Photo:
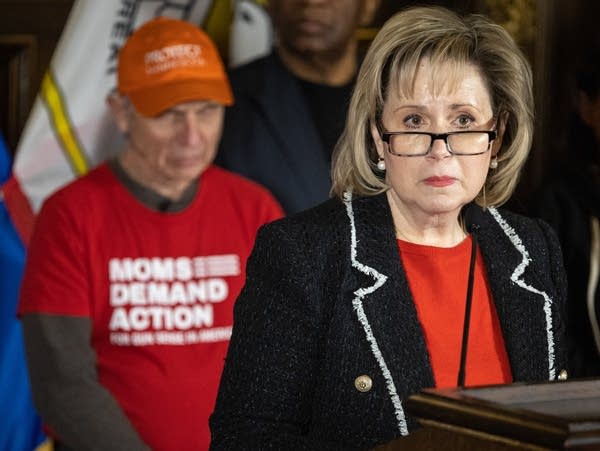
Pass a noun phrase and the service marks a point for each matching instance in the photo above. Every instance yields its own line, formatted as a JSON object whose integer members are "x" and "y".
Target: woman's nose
{"x": 439, "y": 148}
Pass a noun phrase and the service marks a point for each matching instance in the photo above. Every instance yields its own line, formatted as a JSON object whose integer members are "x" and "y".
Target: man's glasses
{"x": 419, "y": 144}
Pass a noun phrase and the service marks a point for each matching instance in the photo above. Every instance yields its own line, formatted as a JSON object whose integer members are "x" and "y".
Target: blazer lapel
{"x": 386, "y": 312}
{"x": 519, "y": 298}
{"x": 383, "y": 303}
{"x": 519, "y": 303}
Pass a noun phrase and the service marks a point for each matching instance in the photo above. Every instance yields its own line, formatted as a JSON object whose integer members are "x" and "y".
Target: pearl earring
{"x": 494, "y": 163}
{"x": 381, "y": 164}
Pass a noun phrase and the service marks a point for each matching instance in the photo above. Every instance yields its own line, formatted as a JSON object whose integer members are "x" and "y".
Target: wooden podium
{"x": 546, "y": 416}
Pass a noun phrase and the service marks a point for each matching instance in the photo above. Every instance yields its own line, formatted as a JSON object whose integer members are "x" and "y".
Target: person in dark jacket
{"x": 354, "y": 305}
{"x": 570, "y": 202}
{"x": 291, "y": 105}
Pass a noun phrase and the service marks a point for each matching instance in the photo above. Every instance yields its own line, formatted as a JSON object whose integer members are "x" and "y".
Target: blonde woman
{"x": 411, "y": 276}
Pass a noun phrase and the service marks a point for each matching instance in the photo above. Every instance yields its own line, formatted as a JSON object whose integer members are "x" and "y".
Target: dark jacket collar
{"x": 520, "y": 310}
{"x": 280, "y": 99}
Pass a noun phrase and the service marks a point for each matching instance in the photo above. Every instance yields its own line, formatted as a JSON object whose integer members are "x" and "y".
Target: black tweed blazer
{"x": 326, "y": 300}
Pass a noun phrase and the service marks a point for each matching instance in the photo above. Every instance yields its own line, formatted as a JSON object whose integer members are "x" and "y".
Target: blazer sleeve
{"x": 264, "y": 400}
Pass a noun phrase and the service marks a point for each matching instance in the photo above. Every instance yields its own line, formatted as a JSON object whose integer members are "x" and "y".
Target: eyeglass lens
{"x": 462, "y": 143}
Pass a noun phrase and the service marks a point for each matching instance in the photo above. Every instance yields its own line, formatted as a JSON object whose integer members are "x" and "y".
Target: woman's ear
{"x": 500, "y": 129}
{"x": 379, "y": 144}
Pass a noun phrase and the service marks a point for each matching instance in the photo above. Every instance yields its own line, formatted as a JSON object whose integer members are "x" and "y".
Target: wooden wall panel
{"x": 572, "y": 31}
{"x": 29, "y": 31}
{"x": 18, "y": 54}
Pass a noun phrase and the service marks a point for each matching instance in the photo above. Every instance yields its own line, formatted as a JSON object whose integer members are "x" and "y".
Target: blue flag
{"x": 20, "y": 426}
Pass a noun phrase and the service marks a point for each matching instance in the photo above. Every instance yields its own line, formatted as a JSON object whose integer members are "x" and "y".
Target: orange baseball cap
{"x": 166, "y": 62}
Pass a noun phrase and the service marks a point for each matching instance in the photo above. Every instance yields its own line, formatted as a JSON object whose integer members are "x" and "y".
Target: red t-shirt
{"x": 158, "y": 287}
{"x": 438, "y": 282}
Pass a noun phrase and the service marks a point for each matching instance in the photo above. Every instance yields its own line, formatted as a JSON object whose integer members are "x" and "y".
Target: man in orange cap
{"x": 133, "y": 269}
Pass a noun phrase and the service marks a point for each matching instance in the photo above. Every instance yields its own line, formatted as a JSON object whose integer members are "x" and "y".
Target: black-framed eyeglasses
{"x": 419, "y": 144}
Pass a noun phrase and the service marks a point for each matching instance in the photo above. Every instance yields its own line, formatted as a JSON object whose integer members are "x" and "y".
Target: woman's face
{"x": 439, "y": 182}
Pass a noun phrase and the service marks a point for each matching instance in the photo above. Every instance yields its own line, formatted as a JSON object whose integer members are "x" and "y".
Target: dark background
{"x": 553, "y": 34}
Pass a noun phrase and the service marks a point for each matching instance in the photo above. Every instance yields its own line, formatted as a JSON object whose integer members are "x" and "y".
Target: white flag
{"x": 251, "y": 33}
{"x": 69, "y": 129}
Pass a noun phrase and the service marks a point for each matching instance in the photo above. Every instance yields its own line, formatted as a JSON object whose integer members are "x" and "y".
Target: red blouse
{"x": 437, "y": 278}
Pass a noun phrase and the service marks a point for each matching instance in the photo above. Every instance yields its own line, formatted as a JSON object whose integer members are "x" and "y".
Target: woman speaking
{"x": 411, "y": 276}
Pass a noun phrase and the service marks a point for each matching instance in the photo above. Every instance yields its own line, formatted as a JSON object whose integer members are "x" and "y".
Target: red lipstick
{"x": 439, "y": 182}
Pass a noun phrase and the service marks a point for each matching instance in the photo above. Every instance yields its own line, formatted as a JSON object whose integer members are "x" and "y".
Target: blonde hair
{"x": 446, "y": 39}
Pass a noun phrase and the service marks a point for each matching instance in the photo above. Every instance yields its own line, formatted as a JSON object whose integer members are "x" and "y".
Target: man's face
{"x": 313, "y": 27}
{"x": 174, "y": 148}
